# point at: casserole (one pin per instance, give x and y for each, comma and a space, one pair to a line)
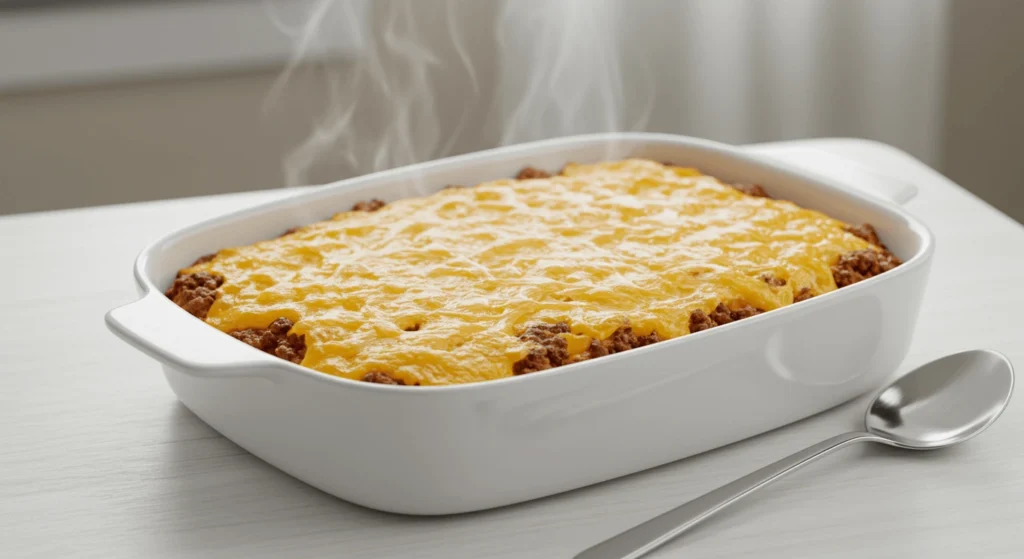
519, 275
449, 449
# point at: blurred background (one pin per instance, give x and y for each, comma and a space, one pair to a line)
107, 102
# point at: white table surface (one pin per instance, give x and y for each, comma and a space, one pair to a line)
97, 458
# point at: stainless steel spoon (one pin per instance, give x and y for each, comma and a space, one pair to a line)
939, 404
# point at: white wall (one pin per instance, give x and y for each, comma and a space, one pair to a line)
74, 147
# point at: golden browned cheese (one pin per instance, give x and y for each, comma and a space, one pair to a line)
598, 246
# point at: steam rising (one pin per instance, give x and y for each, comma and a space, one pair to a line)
436, 78
564, 70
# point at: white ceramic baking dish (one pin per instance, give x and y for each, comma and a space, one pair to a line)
451, 449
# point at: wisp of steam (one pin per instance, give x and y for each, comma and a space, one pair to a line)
435, 78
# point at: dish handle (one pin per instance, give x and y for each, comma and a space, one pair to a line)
848, 173
162, 330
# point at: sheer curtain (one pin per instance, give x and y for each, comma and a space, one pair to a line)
449, 76
733, 70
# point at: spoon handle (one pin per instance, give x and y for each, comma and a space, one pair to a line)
641, 539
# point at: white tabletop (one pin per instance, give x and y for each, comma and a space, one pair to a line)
97, 458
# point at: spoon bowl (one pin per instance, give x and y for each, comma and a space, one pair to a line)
944, 402
939, 404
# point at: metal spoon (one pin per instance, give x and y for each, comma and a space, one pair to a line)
939, 404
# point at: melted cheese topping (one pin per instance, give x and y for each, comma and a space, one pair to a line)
628, 241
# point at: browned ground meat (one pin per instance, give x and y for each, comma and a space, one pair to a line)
860, 265
804, 294
371, 205
204, 258
623, 339
195, 292
773, 280
867, 232
275, 340
751, 190
700, 320
551, 349
532, 173
378, 377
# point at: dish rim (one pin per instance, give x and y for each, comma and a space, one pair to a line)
263, 360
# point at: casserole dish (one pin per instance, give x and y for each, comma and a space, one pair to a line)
459, 448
